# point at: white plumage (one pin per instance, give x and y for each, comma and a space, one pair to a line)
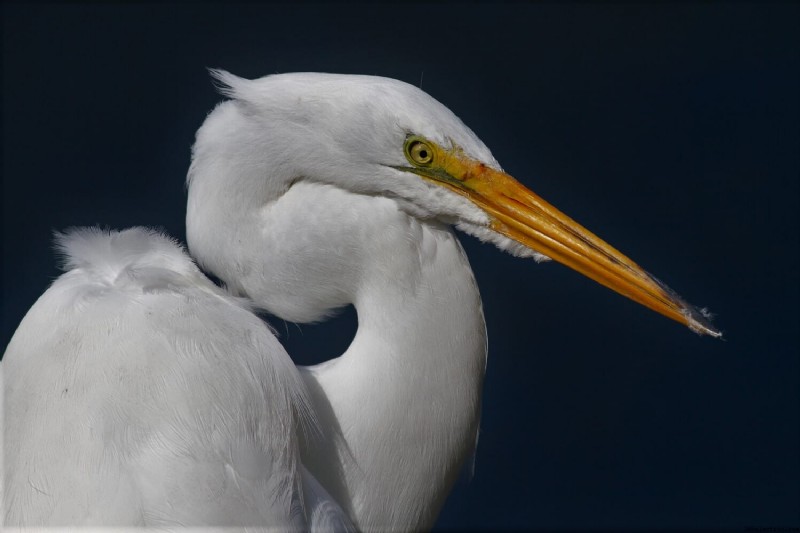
139, 393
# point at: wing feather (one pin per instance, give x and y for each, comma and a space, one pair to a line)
137, 393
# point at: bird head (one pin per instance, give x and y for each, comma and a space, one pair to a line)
382, 137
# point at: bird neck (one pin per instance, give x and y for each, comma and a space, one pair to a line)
399, 410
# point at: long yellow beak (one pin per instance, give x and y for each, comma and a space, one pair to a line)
523, 216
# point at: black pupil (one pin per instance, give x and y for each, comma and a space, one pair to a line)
423, 154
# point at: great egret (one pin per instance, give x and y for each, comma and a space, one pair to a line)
139, 393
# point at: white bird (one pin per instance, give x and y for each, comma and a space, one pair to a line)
139, 393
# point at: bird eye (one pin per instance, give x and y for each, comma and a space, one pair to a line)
419, 152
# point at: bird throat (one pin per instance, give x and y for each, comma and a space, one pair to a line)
399, 410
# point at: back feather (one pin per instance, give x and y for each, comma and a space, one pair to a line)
137, 392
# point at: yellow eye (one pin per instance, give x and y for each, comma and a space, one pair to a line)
419, 152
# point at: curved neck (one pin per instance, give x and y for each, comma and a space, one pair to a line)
400, 408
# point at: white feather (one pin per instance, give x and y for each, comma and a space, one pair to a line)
149, 398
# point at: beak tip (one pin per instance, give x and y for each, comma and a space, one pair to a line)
699, 321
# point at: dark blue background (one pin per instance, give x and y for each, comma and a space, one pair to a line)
673, 132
